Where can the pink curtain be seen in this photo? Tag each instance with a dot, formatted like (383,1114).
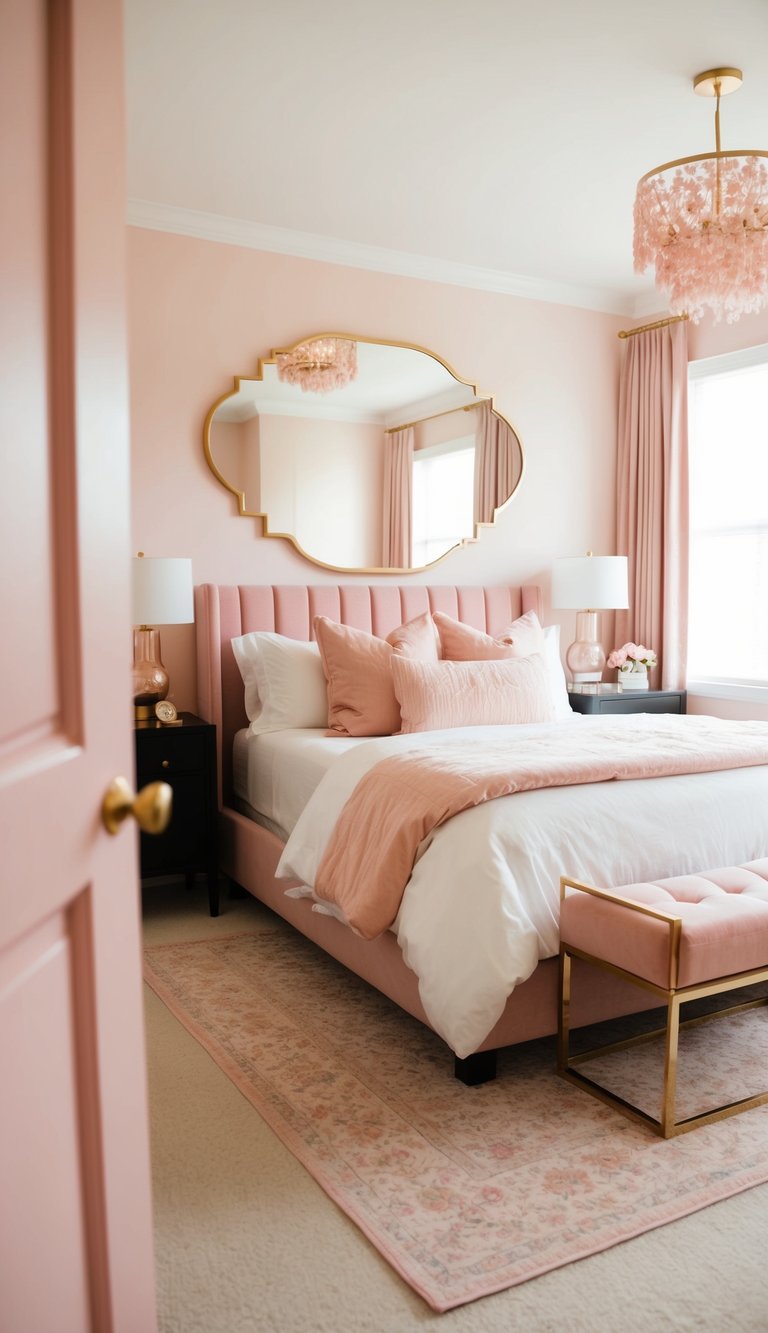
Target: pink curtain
(496,463)
(652,497)
(397,525)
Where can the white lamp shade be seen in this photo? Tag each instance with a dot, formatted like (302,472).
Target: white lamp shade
(162,591)
(590,582)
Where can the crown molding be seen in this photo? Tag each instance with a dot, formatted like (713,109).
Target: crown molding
(650,303)
(351,254)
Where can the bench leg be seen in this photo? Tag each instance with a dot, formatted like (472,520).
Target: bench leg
(563,1010)
(669,1091)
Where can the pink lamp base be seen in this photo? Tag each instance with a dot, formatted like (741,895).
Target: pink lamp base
(585,658)
(150,678)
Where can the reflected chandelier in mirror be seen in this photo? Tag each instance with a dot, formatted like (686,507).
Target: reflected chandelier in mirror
(370,456)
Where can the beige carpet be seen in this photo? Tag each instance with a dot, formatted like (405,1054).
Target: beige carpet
(246,1243)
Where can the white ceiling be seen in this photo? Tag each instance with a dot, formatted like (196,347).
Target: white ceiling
(495,143)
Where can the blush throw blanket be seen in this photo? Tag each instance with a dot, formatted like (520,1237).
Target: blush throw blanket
(403,799)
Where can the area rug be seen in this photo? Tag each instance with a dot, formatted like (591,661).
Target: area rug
(465,1191)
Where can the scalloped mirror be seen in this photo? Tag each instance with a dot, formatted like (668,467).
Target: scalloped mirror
(370,456)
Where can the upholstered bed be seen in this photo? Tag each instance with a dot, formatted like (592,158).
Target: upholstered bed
(250,852)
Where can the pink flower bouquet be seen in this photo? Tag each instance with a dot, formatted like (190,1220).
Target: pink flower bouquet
(632,657)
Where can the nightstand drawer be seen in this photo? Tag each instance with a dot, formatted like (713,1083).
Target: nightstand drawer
(170,751)
(184,842)
(628,701)
(649,704)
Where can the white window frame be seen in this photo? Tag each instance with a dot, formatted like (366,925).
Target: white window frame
(721,687)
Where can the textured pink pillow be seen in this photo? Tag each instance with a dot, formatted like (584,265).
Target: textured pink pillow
(361,697)
(418,638)
(461,643)
(471,694)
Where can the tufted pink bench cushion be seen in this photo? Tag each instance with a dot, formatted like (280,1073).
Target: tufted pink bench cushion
(724,915)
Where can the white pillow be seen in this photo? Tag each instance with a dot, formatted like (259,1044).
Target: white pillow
(284,682)
(557,684)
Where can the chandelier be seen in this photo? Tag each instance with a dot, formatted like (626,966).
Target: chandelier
(702,221)
(319,365)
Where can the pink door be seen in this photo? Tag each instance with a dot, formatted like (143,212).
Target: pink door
(75,1219)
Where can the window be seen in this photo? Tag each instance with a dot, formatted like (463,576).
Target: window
(728,446)
(443,498)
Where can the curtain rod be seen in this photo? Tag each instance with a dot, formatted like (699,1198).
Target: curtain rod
(660,324)
(407,424)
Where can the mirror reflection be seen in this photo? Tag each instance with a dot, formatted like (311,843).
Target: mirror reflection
(369,456)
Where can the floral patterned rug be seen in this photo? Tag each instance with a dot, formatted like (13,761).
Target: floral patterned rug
(465,1191)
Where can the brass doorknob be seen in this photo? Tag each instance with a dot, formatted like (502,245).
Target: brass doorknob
(151,807)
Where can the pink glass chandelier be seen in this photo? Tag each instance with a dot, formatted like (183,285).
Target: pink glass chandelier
(702,222)
(319,365)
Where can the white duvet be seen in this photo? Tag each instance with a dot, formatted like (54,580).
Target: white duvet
(481,907)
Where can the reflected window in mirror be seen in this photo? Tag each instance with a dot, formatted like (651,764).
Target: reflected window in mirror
(338,472)
(443,485)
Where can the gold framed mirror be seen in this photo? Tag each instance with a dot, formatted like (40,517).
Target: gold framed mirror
(370,456)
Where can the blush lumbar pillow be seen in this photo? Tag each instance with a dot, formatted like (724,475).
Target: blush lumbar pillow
(284,682)
(433,696)
(461,643)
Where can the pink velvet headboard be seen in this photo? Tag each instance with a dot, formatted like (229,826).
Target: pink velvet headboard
(222,613)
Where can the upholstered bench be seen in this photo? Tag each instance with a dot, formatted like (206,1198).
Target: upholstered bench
(682,939)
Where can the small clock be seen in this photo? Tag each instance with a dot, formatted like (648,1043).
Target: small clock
(166,713)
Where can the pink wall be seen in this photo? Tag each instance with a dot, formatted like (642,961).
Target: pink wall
(710,339)
(201,312)
(455,426)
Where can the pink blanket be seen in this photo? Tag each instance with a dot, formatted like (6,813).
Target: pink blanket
(401,800)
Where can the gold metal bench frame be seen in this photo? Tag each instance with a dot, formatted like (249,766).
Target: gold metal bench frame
(673,997)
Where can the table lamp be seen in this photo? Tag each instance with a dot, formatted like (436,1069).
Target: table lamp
(162,595)
(597,583)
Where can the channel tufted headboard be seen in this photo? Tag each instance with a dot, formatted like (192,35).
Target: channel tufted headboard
(222,613)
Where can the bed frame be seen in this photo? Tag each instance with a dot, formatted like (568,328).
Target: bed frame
(249,853)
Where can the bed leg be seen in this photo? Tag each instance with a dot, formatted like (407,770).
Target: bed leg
(476,1069)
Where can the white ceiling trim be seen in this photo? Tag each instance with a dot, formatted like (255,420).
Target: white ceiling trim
(329,250)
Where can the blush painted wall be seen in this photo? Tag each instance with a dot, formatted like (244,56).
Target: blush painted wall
(710,339)
(201,312)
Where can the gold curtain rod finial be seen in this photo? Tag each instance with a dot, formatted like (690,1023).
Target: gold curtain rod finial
(140,555)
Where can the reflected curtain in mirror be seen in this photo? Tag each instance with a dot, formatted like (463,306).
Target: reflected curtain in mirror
(496,457)
(398,498)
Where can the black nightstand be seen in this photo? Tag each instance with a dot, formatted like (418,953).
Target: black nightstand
(185,757)
(629,701)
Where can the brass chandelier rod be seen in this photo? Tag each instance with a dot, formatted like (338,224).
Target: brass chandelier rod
(644,328)
(718,86)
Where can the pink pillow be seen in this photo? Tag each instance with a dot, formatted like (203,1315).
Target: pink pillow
(471,694)
(361,698)
(418,638)
(461,643)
